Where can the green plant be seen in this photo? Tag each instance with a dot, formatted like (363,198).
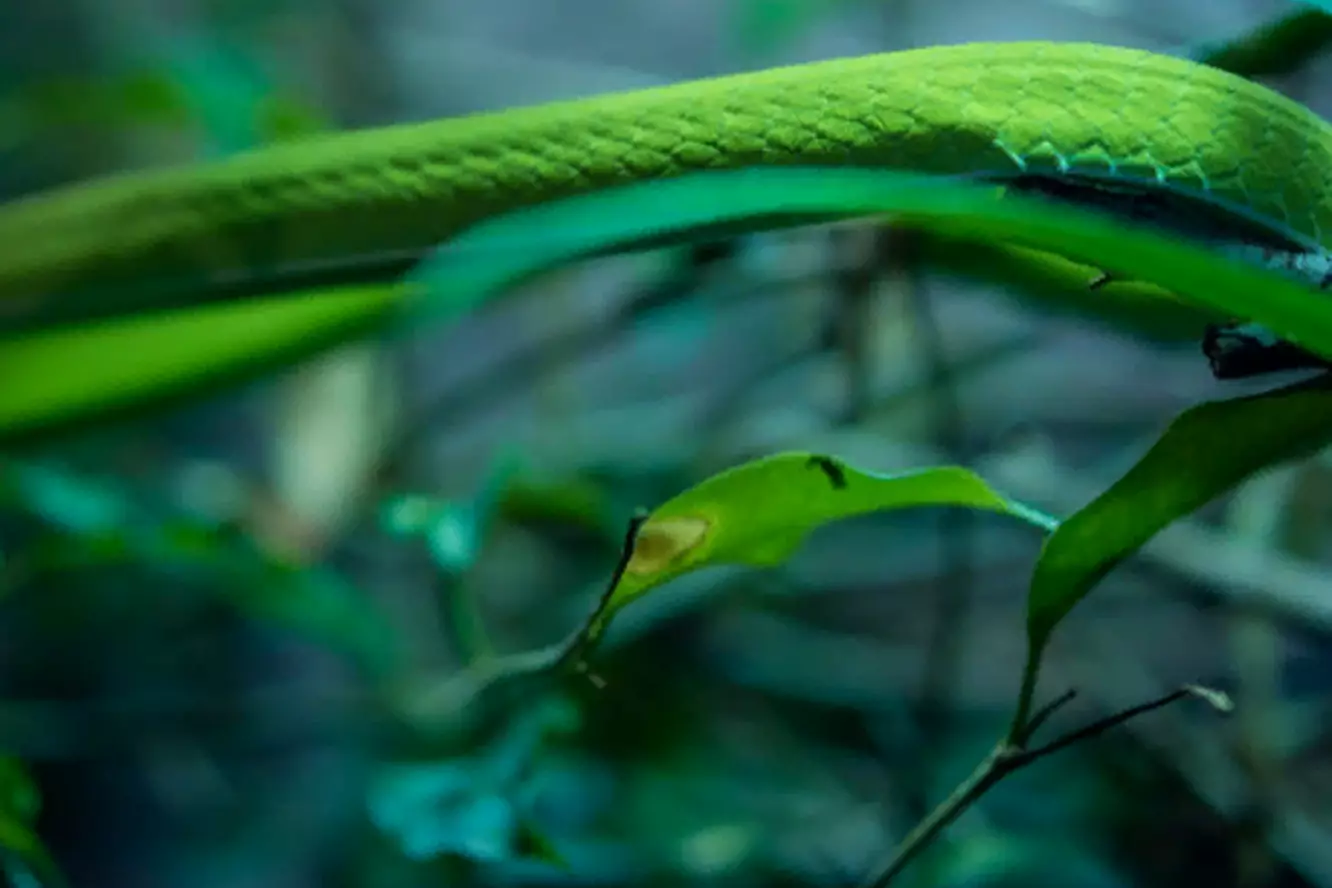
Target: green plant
(756,514)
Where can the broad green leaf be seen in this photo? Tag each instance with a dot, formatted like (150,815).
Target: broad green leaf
(760,512)
(1206,451)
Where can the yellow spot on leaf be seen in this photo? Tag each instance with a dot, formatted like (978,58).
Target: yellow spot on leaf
(660,542)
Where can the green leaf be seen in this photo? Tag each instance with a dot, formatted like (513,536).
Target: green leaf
(764,25)
(64,499)
(19,798)
(1206,451)
(760,512)
(509,249)
(1279,47)
(1325,5)
(574,501)
(62,377)
(20,803)
(95,524)
(453,530)
(317,604)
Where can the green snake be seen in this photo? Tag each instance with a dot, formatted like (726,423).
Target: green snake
(362,206)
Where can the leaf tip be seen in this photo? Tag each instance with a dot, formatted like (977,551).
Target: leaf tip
(1218,700)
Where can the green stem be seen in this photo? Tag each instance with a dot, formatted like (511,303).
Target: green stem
(989,772)
(467,627)
(1018,730)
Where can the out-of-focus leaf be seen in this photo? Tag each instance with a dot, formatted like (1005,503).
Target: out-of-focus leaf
(533,844)
(62,499)
(504,251)
(760,512)
(316,604)
(1206,451)
(521,499)
(472,806)
(92,523)
(433,809)
(152,97)
(280,118)
(66,376)
(20,803)
(997,860)
(61,377)
(140,98)
(574,502)
(223,86)
(1279,47)
(453,530)
(764,25)
(19,798)
(236,113)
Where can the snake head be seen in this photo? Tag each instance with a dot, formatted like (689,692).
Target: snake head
(1241,350)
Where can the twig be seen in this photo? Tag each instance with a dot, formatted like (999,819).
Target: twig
(455,706)
(956,527)
(1003,760)
(579,644)
(466,626)
(1043,714)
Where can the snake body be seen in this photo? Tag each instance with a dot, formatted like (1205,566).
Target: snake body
(323,228)
(992,110)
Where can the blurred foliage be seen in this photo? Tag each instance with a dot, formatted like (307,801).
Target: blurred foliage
(1284,46)
(644,765)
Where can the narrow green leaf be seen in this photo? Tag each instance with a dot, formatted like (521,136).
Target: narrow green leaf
(65,376)
(1206,451)
(55,379)
(509,249)
(760,512)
